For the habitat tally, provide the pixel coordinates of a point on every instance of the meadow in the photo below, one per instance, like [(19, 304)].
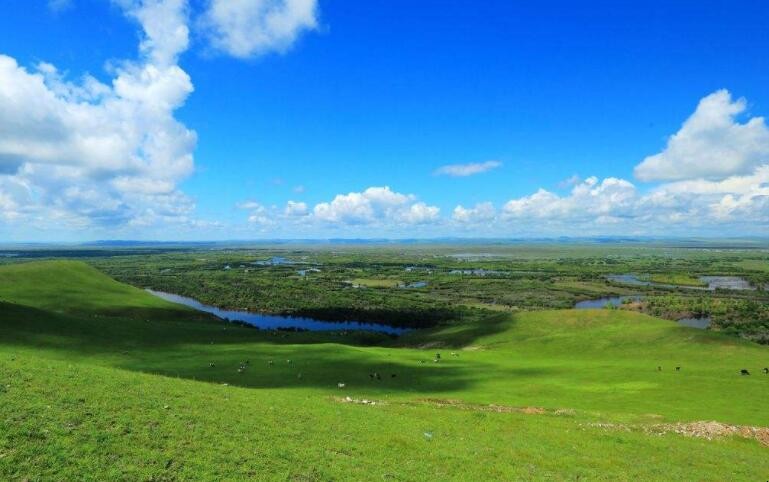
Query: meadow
[(101, 380)]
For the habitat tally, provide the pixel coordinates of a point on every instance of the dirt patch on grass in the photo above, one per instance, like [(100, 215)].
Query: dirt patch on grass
[(460, 405), (701, 429), (473, 348), (358, 401)]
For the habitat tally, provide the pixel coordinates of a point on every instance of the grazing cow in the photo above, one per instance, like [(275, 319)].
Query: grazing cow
[(270, 363), (340, 385), (678, 369), (744, 372), (212, 365), (393, 375), (765, 370), (438, 356)]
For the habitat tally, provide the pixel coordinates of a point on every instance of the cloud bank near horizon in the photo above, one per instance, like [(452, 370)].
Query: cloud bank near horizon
[(714, 173)]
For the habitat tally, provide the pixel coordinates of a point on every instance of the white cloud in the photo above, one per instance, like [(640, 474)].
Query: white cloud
[(248, 205), (570, 181), (737, 199), (246, 28), (480, 213), (258, 214), (588, 200), (463, 170), (419, 213), (717, 173), (378, 207), (375, 205), (711, 144), (112, 154), (102, 154), (296, 208)]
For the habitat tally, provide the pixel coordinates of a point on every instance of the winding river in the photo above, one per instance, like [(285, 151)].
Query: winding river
[(272, 322)]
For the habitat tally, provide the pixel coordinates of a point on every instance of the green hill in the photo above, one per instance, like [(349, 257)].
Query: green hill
[(99, 380)]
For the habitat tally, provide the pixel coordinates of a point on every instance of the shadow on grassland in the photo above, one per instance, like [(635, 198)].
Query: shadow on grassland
[(182, 344)]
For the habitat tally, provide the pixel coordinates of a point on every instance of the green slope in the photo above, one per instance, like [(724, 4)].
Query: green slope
[(91, 387), (73, 287)]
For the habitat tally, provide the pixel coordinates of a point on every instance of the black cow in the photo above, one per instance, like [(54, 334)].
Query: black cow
[(744, 372)]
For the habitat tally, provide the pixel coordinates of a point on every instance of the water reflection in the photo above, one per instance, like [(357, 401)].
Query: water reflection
[(272, 322)]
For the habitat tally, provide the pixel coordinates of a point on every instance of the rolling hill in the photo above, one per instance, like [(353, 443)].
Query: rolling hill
[(100, 380)]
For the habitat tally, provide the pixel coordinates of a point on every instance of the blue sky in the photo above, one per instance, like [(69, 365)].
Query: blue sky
[(353, 110)]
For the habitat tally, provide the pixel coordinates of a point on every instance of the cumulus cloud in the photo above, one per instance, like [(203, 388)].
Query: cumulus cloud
[(375, 206), (463, 170), (245, 28), (736, 199), (372, 205), (589, 199), (258, 213), (109, 154), (480, 213), (96, 153), (616, 206), (711, 144), (715, 173), (296, 208), (418, 213)]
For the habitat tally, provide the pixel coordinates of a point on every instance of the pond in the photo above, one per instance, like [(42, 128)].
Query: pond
[(698, 322), (713, 282), (603, 302), (635, 280), (726, 282), (272, 322), (274, 261), (418, 284)]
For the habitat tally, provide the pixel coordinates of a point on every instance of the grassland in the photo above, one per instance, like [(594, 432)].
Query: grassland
[(376, 283), (104, 382), (680, 279)]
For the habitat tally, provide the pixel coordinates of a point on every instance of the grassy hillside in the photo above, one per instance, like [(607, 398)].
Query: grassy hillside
[(103, 379), (74, 287)]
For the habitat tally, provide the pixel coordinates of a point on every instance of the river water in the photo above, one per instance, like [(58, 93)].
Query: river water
[(272, 322)]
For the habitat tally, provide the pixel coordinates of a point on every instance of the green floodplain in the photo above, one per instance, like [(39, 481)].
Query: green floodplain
[(498, 377)]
